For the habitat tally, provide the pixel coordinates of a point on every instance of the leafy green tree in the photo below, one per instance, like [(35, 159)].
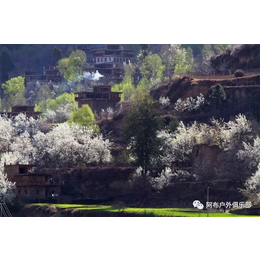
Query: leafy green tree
[(126, 86), (143, 87), (140, 131), (168, 59), (152, 68), (14, 90), (82, 116), (218, 96), (54, 104), (177, 60), (72, 66), (184, 61), (56, 54)]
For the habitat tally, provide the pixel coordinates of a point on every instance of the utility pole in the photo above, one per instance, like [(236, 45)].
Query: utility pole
[(207, 201)]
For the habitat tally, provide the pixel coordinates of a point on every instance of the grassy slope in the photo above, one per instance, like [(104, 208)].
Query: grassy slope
[(158, 212)]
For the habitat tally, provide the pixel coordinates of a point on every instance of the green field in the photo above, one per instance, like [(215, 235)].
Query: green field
[(157, 212)]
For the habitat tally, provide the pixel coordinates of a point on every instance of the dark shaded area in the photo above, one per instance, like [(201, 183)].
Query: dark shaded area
[(243, 56)]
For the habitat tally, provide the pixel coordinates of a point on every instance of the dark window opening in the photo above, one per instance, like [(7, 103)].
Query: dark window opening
[(25, 191), (37, 192), (22, 170)]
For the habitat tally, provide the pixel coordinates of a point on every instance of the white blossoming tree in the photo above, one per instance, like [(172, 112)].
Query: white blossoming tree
[(189, 104), (6, 189), (252, 187), (21, 124), (69, 145), (6, 133), (250, 153), (164, 102)]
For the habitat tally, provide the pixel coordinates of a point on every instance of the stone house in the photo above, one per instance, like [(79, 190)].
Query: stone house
[(32, 186), (29, 111), (101, 98)]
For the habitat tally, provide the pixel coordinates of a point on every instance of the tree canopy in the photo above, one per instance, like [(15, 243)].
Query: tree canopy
[(72, 66), (14, 89), (140, 130), (82, 116), (152, 68), (54, 104)]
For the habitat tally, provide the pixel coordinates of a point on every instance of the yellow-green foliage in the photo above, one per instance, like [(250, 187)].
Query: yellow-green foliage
[(184, 61), (126, 86), (14, 85), (73, 65), (14, 88), (54, 104), (152, 68), (82, 116)]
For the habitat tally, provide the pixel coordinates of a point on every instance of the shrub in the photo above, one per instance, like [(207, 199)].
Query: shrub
[(82, 116), (239, 73)]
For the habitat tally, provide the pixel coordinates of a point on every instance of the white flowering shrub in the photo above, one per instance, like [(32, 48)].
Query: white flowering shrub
[(61, 115), (65, 145), (250, 153), (236, 129), (252, 187), (107, 113), (164, 102), (21, 124), (63, 112), (70, 145), (178, 145), (6, 133), (189, 104), (49, 116), (163, 180), (140, 173), (6, 188)]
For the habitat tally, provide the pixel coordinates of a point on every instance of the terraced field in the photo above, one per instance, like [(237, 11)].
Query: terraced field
[(130, 211)]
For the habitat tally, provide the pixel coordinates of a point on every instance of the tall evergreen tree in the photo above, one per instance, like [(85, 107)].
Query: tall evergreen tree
[(140, 130), (218, 96)]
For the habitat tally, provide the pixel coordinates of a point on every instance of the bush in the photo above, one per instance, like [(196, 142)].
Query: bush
[(239, 73), (82, 116)]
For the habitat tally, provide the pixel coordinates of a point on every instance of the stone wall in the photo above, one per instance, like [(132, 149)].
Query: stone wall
[(204, 160)]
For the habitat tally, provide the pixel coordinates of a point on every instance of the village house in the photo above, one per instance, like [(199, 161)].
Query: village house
[(29, 111), (30, 185), (49, 75), (109, 61), (101, 98)]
